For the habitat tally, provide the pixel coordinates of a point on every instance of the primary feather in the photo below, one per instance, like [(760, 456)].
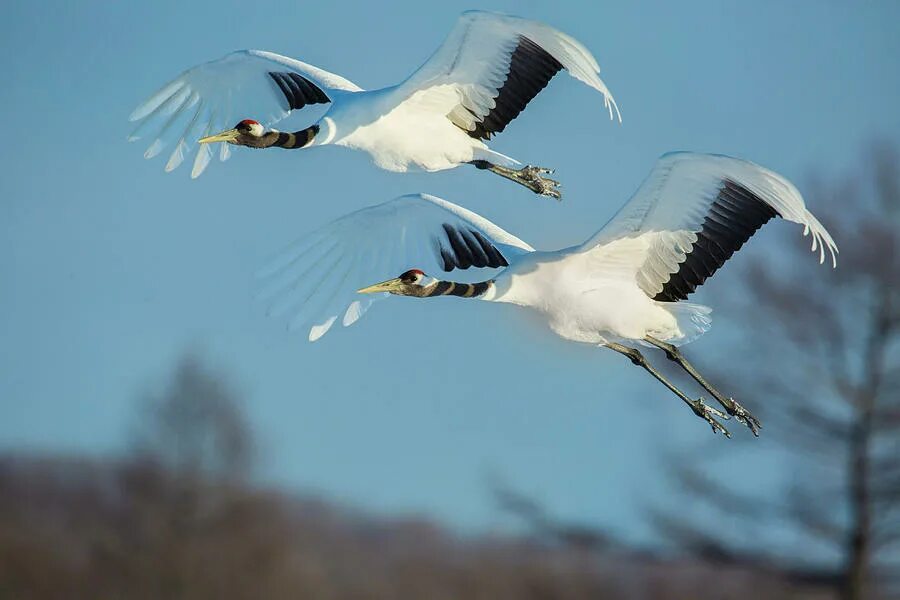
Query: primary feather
[(315, 280), (695, 210)]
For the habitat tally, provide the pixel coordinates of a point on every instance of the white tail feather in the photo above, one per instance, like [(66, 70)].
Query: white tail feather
[(693, 320)]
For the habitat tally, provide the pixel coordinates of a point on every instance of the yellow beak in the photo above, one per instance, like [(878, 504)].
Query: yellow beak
[(225, 136), (384, 286)]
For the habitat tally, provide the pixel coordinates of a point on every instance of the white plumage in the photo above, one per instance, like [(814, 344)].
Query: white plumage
[(487, 70), (599, 290), (625, 284), (314, 282), (213, 95)]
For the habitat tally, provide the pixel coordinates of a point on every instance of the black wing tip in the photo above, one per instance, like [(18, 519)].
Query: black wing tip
[(461, 248), (298, 90), (530, 70), (735, 215)]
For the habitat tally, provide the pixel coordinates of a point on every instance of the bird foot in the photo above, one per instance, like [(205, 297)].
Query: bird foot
[(742, 415), (531, 177), (709, 414)]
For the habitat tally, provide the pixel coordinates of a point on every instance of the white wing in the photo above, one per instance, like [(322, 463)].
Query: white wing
[(247, 84), (492, 65), (315, 280), (694, 211)]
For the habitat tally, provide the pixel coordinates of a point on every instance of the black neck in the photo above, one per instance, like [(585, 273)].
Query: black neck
[(298, 139), (463, 290)]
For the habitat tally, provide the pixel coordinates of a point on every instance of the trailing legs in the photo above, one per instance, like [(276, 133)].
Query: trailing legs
[(705, 412), (733, 408), (529, 176)]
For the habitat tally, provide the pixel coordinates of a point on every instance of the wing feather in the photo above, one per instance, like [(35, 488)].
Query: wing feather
[(314, 282), (496, 64), (694, 211), (245, 84)]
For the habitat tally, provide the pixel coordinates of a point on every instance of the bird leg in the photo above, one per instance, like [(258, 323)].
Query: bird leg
[(702, 410), (529, 176), (731, 406)]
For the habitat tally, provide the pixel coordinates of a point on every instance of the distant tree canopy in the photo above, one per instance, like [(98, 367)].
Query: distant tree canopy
[(173, 521)]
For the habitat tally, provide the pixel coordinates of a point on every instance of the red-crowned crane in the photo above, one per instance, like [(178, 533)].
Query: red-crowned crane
[(625, 285), (486, 72)]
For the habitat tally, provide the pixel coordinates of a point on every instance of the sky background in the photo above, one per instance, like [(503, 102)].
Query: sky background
[(113, 269)]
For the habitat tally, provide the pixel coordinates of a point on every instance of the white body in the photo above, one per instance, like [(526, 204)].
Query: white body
[(585, 304), (404, 136), (421, 123), (596, 292)]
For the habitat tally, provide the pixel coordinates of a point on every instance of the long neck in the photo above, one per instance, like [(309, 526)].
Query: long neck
[(451, 288), (281, 139)]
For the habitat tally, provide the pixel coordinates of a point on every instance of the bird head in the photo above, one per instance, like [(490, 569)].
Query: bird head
[(246, 133), (410, 283)]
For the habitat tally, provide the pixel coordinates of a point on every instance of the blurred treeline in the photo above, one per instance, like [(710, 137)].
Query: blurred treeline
[(180, 516), (179, 519)]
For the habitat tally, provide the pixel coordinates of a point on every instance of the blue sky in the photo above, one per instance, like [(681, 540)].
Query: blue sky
[(112, 269)]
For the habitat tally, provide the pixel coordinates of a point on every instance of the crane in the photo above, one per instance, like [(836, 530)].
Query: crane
[(624, 287), (485, 73)]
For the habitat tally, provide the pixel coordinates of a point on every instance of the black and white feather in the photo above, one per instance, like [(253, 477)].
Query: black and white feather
[(693, 212), (298, 90), (215, 95), (530, 70), (493, 65), (314, 282)]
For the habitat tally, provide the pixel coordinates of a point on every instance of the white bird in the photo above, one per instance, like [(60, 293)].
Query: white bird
[(486, 72), (625, 284)]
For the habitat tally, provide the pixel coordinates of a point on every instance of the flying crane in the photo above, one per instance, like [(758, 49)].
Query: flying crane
[(486, 72), (625, 286)]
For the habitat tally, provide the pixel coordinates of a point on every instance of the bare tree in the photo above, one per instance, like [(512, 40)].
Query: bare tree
[(545, 527), (825, 366), (196, 425), (157, 525)]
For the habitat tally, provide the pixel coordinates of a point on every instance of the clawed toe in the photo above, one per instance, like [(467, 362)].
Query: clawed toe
[(742, 415), (544, 186), (532, 171), (548, 187), (709, 414), (529, 176)]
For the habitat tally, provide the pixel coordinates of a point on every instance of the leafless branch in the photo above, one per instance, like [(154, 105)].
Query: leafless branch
[(831, 357)]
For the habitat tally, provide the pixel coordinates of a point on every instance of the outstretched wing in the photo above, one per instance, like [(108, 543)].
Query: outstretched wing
[(314, 282), (492, 65), (247, 84), (693, 212)]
